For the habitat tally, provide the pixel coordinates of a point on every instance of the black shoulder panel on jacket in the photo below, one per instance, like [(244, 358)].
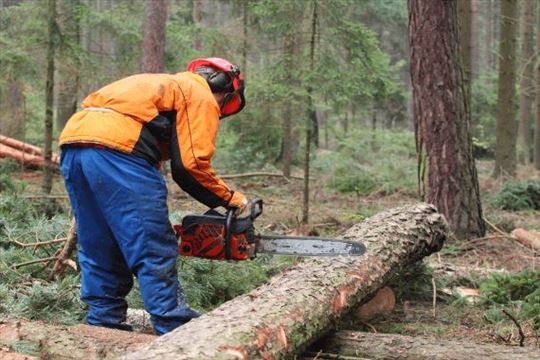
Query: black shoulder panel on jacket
[(153, 133)]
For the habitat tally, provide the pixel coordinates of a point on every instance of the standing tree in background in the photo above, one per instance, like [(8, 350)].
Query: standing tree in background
[(525, 139), (49, 96), (68, 64), (196, 9), (537, 126), (507, 124), (311, 115), (154, 36), (12, 64), (290, 68), (442, 116)]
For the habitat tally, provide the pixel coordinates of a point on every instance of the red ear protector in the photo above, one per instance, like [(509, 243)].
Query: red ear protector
[(226, 78)]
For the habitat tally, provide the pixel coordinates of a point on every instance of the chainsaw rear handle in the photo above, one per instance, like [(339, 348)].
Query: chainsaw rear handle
[(230, 216)]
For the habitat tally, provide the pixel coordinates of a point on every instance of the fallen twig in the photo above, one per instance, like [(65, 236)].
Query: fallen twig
[(496, 228), (521, 334), (37, 244), (266, 174), (45, 196), (16, 266), (65, 253), (434, 285)]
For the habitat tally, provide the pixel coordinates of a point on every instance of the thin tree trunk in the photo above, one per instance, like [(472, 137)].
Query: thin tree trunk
[(154, 36), (442, 117), (359, 345), (196, 18), (507, 124), (12, 116), (280, 319), (49, 97), (537, 126), (525, 140), (68, 65), (286, 149), (311, 117)]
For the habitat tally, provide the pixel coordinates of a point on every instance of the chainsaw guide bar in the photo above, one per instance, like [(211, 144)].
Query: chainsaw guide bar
[(307, 246)]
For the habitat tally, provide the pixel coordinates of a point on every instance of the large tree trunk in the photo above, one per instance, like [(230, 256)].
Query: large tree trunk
[(507, 125), (282, 318), (442, 116), (70, 342), (359, 345), (464, 10), (154, 36)]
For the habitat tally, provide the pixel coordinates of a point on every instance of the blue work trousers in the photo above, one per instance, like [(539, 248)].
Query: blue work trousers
[(123, 229)]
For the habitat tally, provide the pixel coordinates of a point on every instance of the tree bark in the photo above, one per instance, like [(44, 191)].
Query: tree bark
[(537, 126), (358, 345), (282, 318), (507, 125), (71, 342), (525, 140), (154, 36), (442, 117), (464, 11), (49, 97), (68, 62), (311, 118)]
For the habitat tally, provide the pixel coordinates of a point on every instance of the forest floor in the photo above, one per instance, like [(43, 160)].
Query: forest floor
[(428, 302)]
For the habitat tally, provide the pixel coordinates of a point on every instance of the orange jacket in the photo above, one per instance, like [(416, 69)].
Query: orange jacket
[(157, 117)]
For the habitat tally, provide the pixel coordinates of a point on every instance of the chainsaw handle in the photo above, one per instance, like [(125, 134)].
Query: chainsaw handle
[(229, 218), (256, 208)]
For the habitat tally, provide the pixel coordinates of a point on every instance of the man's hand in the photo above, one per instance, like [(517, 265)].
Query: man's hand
[(244, 211), (240, 204)]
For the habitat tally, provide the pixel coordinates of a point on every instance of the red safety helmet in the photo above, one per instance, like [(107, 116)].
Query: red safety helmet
[(226, 78)]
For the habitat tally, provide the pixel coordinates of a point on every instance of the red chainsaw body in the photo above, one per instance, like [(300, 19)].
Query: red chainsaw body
[(207, 240)]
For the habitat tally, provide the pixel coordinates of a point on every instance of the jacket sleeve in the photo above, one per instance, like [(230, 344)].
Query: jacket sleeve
[(192, 149)]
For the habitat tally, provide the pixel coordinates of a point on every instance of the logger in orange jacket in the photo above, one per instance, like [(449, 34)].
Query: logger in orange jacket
[(110, 154)]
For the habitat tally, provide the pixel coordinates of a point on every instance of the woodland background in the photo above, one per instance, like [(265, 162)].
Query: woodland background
[(330, 99)]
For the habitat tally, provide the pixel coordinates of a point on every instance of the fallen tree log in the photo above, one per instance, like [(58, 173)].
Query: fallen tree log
[(282, 318), (69, 342), (24, 153), (528, 238), (26, 159), (358, 345), (21, 145)]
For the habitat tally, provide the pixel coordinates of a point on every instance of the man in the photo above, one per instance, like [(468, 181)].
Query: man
[(111, 151)]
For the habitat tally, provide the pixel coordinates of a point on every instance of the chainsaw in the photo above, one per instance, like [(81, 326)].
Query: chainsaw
[(218, 236)]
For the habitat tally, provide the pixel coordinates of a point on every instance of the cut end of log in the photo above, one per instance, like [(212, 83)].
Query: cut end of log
[(530, 239), (237, 352), (383, 302)]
